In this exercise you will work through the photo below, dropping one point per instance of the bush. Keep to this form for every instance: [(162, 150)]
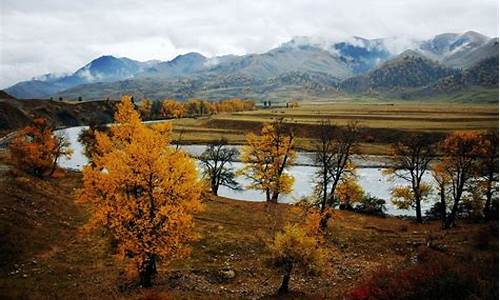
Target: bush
[(434, 213), (371, 205), (436, 276)]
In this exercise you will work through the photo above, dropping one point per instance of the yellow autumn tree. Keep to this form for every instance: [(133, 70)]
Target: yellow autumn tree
[(299, 245), (37, 149), (145, 108), (143, 192), (462, 152), (348, 192), (403, 195), (267, 157), (172, 109)]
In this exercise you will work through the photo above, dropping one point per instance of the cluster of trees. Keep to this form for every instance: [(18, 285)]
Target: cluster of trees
[(468, 165), (466, 171), (145, 193), (36, 149), (172, 109)]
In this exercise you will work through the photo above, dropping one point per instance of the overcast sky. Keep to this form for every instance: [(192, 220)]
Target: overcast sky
[(38, 37)]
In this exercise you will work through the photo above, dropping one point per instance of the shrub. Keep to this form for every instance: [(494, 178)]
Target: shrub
[(372, 206), (436, 276), (435, 212)]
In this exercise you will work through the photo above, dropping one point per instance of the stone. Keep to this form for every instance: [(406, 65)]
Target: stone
[(226, 274)]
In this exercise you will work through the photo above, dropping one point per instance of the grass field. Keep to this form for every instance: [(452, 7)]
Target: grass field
[(384, 122)]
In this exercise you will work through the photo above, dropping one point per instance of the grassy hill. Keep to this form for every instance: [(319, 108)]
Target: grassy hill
[(407, 71), (46, 255)]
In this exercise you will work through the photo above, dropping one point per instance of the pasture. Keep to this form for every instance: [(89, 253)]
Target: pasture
[(383, 122)]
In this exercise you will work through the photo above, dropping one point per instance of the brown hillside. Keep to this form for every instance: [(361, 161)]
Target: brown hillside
[(15, 114), (45, 254), (5, 95)]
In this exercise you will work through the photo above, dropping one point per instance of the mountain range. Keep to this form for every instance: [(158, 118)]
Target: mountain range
[(448, 65)]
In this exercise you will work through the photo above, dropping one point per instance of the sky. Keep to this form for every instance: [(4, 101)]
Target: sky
[(59, 36)]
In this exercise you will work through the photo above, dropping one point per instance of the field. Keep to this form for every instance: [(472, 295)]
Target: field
[(384, 122)]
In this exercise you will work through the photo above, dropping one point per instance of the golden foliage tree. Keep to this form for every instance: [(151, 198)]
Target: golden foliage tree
[(461, 151), (199, 108), (37, 150), (299, 245), (172, 109), (88, 138), (233, 105), (143, 191), (403, 196), (488, 169), (145, 108), (410, 159), (349, 191), (267, 157)]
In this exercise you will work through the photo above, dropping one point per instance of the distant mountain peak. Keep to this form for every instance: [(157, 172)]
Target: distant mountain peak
[(188, 56), (411, 53), (292, 63)]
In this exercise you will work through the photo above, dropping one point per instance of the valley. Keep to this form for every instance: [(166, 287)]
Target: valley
[(260, 150)]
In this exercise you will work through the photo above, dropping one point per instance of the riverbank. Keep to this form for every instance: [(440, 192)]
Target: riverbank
[(45, 254)]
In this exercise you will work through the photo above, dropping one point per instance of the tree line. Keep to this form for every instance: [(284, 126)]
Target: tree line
[(463, 166), (172, 109)]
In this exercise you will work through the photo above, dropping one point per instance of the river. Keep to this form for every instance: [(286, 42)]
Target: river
[(369, 174)]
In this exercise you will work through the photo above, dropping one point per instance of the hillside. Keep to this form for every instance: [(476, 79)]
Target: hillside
[(478, 83), (46, 255), (408, 70), (16, 113)]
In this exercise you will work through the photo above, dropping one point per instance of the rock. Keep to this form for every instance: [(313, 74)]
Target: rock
[(226, 274)]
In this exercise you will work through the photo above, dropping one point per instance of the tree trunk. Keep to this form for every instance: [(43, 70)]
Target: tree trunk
[(147, 270), (419, 211), (450, 221), (268, 195), (323, 222), (286, 279), (487, 205), (418, 198), (54, 167), (274, 198), (325, 189), (215, 189), (332, 192), (443, 206)]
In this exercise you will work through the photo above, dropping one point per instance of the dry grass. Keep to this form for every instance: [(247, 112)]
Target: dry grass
[(46, 256), (381, 119)]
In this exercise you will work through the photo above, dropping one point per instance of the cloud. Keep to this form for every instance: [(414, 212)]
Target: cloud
[(38, 37)]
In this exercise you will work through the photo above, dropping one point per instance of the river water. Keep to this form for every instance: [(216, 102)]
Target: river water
[(369, 174)]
